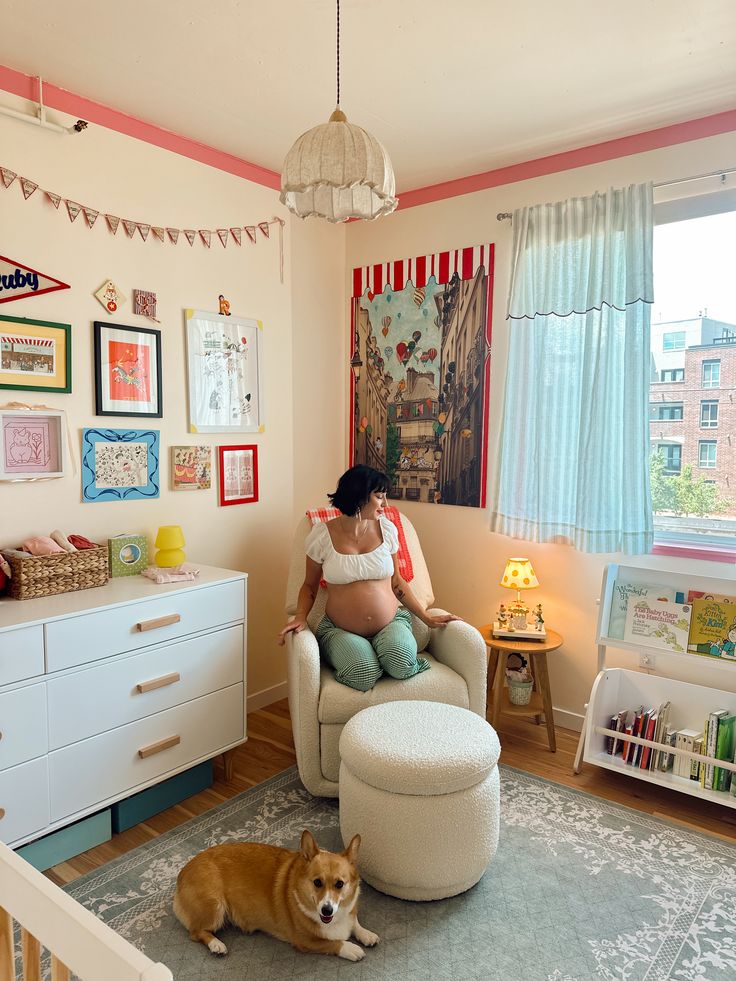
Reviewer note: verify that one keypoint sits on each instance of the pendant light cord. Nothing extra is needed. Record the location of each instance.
(338, 54)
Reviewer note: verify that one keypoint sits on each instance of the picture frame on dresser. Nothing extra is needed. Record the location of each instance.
(35, 355)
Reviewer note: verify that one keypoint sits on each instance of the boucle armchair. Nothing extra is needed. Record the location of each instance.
(320, 706)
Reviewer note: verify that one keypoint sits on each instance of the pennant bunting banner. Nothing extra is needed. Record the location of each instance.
(173, 234)
(73, 209)
(144, 230)
(190, 235)
(28, 187)
(55, 199)
(250, 231)
(237, 234)
(206, 235)
(112, 222)
(8, 176)
(18, 281)
(158, 232)
(129, 227)
(223, 234)
(91, 215)
(263, 225)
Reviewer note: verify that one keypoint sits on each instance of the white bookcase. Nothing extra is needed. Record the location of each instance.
(618, 688)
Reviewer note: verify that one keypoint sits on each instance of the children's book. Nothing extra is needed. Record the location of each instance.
(623, 591)
(724, 751)
(713, 628)
(711, 742)
(658, 623)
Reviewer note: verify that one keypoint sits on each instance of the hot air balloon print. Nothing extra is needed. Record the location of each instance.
(416, 336)
(418, 354)
(419, 295)
(388, 351)
(385, 324)
(432, 353)
(400, 352)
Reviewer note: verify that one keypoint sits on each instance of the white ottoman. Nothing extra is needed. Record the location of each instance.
(419, 783)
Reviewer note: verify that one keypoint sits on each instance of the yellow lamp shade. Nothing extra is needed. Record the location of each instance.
(170, 542)
(519, 574)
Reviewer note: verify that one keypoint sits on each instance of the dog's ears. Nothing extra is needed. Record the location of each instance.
(351, 852)
(308, 846)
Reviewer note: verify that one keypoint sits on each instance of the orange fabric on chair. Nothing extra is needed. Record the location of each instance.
(406, 569)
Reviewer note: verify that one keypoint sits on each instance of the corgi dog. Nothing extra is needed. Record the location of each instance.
(309, 898)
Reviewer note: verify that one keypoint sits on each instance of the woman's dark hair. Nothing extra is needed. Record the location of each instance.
(355, 487)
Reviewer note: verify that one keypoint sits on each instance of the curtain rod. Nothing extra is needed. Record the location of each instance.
(503, 215)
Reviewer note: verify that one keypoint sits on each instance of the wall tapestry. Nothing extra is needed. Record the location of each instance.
(224, 373)
(421, 360)
(120, 464)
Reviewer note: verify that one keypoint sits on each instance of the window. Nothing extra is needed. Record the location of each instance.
(711, 374)
(673, 341)
(694, 258)
(709, 415)
(707, 453)
(666, 411)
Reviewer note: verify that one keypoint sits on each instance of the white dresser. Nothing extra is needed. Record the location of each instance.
(107, 691)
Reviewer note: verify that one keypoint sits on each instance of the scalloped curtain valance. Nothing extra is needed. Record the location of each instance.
(582, 254)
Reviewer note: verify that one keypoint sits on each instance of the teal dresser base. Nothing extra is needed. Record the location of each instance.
(57, 847)
(148, 802)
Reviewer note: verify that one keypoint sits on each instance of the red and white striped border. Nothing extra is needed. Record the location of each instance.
(441, 265)
(29, 341)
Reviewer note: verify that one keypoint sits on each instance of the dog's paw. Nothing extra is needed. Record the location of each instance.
(351, 952)
(217, 947)
(366, 937)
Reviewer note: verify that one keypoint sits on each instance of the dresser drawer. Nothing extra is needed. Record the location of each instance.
(23, 725)
(78, 640)
(21, 654)
(24, 796)
(167, 676)
(109, 766)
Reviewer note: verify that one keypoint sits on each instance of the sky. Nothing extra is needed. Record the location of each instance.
(695, 269)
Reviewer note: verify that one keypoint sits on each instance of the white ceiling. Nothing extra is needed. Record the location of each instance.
(450, 88)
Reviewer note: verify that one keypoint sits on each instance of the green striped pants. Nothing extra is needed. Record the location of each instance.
(360, 661)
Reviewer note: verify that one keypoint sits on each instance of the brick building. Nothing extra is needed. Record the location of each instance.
(692, 412)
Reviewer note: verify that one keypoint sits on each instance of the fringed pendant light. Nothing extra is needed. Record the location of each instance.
(338, 170)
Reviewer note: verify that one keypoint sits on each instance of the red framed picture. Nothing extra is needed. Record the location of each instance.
(238, 474)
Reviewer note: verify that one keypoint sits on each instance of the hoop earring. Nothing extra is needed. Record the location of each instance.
(359, 515)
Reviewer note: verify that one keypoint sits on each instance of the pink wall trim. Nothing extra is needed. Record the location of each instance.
(94, 112)
(694, 129)
(20, 84)
(691, 552)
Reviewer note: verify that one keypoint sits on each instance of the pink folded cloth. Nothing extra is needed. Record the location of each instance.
(80, 542)
(177, 573)
(41, 545)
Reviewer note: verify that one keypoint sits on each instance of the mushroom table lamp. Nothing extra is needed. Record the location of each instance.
(519, 575)
(170, 544)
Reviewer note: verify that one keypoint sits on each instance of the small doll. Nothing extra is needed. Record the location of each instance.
(538, 618)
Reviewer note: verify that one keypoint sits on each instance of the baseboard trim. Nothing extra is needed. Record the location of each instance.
(268, 696)
(569, 720)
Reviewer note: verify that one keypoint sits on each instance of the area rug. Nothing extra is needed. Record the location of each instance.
(579, 889)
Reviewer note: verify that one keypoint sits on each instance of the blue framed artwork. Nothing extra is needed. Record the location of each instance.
(120, 464)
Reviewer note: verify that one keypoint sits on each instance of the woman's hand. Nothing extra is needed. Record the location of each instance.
(293, 626)
(439, 620)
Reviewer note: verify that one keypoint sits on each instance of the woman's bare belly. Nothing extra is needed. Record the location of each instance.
(362, 607)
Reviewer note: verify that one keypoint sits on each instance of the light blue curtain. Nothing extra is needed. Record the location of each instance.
(574, 451)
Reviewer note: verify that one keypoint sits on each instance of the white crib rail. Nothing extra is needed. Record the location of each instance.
(78, 942)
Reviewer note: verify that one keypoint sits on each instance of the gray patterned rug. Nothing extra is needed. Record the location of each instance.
(579, 889)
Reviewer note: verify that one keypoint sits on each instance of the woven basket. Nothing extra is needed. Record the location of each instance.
(63, 572)
(520, 692)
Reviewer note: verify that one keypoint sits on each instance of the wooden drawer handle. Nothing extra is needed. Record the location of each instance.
(158, 622)
(159, 747)
(162, 682)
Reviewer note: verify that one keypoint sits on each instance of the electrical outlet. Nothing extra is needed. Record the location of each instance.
(646, 661)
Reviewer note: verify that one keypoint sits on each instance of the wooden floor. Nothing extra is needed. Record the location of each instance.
(270, 749)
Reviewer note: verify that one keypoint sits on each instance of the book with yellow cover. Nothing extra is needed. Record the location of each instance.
(713, 629)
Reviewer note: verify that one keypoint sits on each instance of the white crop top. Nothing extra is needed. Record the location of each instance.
(340, 569)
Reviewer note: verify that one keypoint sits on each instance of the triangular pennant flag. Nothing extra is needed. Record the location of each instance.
(223, 235)
(8, 176)
(112, 222)
(173, 234)
(91, 215)
(130, 227)
(250, 231)
(17, 281)
(158, 232)
(144, 230)
(190, 234)
(73, 209)
(206, 235)
(237, 234)
(53, 198)
(28, 187)
(263, 225)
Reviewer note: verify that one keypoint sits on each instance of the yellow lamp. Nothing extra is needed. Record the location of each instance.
(170, 543)
(519, 575)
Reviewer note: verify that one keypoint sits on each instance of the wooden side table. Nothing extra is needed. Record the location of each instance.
(535, 651)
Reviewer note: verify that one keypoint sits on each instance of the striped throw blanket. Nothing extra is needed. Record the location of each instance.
(406, 569)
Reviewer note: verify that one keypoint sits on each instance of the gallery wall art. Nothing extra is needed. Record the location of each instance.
(225, 373)
(35, 355)
(120, 464)
(18, 281)
(420, 347)
(127, 371)
(32, 444)
(238, 474)
(191, 467)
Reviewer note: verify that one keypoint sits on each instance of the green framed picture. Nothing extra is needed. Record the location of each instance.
(35, 355)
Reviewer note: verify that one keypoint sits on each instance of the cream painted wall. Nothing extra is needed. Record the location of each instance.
(465, 558)
(115, 173)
